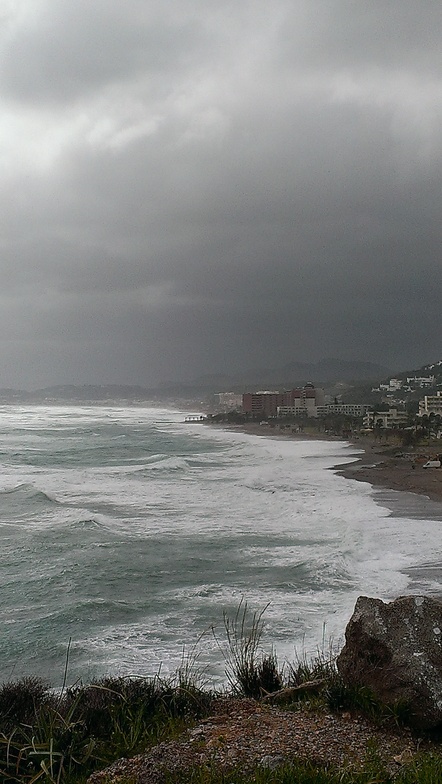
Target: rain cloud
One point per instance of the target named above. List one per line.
(192, 187)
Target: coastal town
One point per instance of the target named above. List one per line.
(410, 406)
(397, 432)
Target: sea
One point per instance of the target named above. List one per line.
(130, 539)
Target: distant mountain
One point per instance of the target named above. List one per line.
(327, 372)
(8, 395)
(336, 370)
(296, 373)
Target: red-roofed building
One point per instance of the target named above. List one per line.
(299, 401)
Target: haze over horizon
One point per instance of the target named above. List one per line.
(193, 187)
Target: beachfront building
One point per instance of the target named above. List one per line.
(430, 404)
(302, 401)
(344, 409)
(257, 404)
(385, 419)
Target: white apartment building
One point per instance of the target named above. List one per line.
(346, 409)
(430, 404)
(303, 406)
(421, 381)
(385, 419)
(307, 407)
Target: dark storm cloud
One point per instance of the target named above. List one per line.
(202, 186)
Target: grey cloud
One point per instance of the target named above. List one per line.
(276, 196)
(65, 51)
(343, 34)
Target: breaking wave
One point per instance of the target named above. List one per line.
(131, 534)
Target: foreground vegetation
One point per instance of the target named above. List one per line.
(66, 737)
(62, 737)
(428, 770)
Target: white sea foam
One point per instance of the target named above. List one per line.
(132, 533)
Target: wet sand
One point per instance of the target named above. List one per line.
(388, 467)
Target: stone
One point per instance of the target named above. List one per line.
(395, 649)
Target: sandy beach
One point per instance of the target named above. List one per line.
(389, 467)
(381, 465)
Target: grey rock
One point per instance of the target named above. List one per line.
(395, 649)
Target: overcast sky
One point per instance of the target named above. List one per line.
(191, 186)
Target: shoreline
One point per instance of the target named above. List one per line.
(384, 466)
(393, 469)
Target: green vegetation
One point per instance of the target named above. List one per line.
(61, 738)
(250, 672)
(428, 770)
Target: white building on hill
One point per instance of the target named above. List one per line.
(430, 404)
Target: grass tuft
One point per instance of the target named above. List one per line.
(250, 672)
(320, 667)
(21, 700)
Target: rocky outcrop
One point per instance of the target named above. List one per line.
(395, 649)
